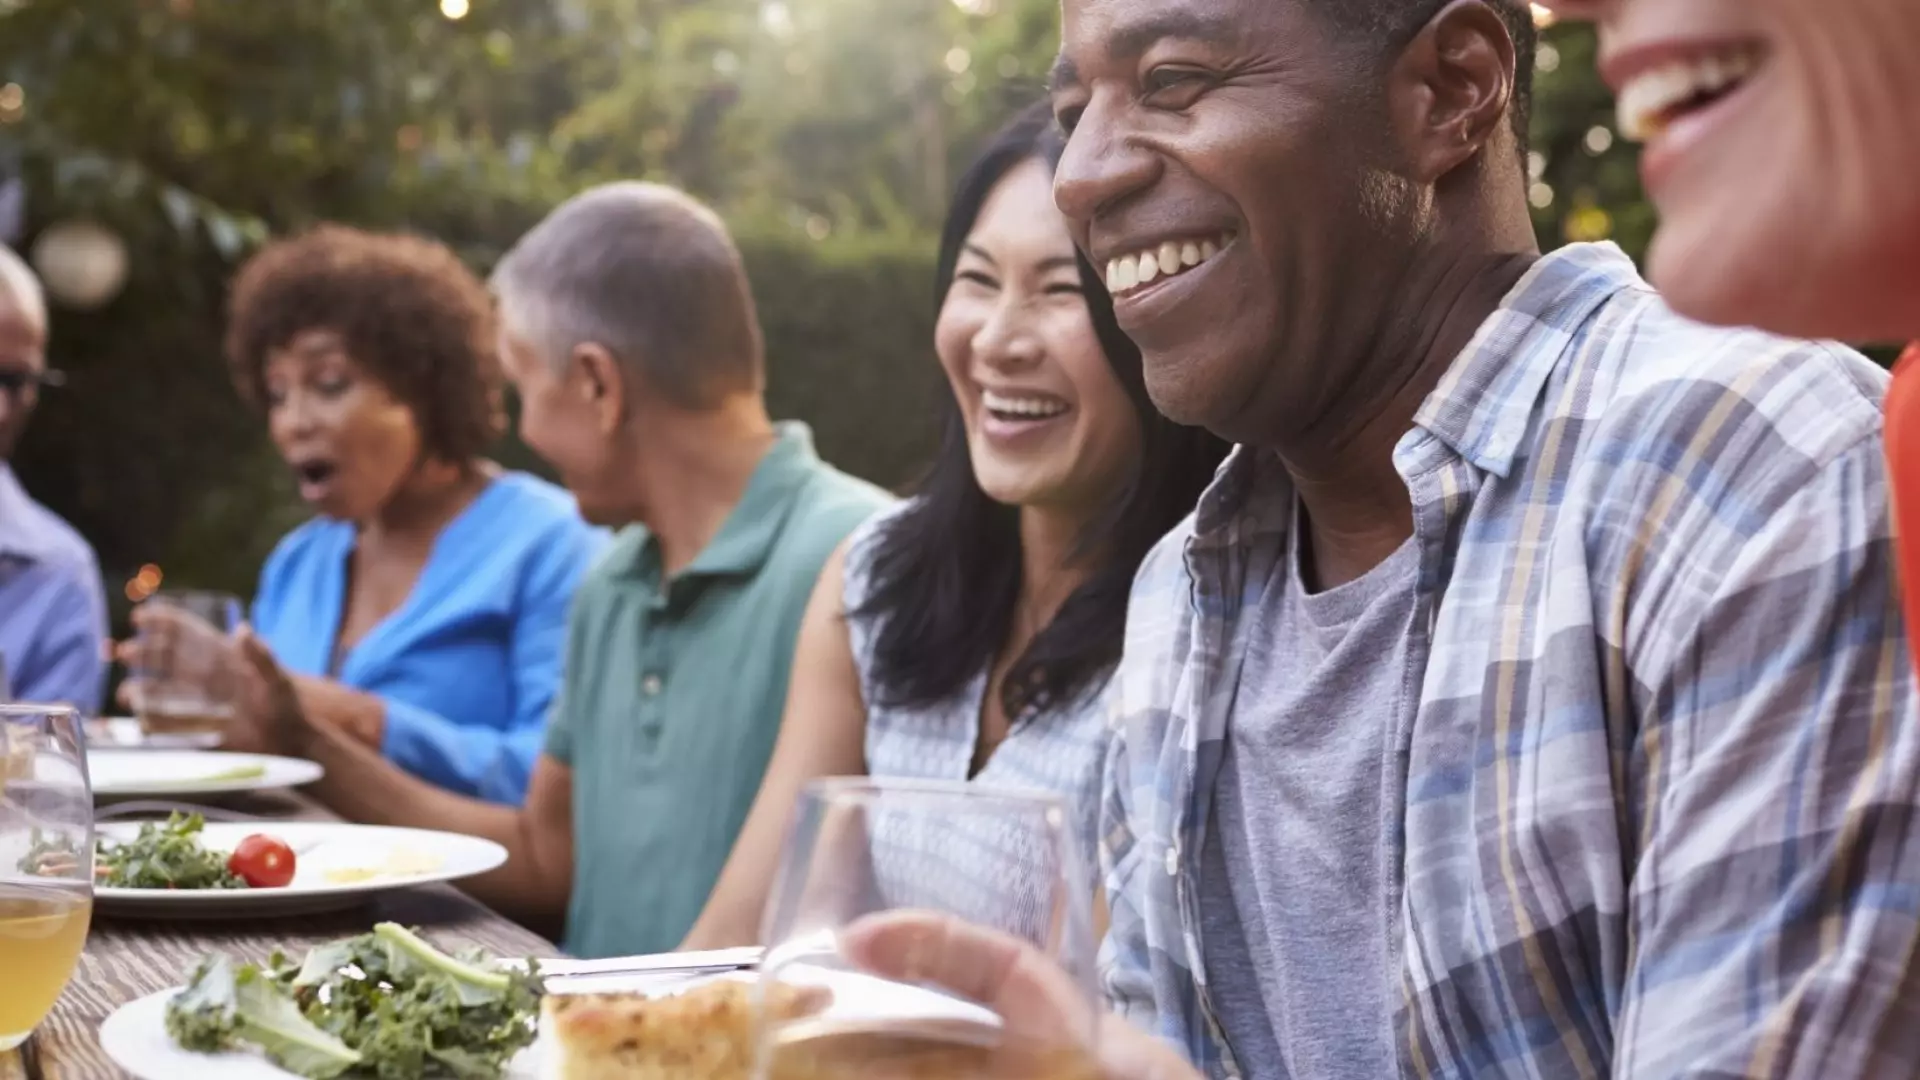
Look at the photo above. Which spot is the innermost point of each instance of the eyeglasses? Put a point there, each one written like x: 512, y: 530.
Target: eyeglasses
x: 16, y: 381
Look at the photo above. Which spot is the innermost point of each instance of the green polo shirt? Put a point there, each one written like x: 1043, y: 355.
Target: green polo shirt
x: 673, y: 694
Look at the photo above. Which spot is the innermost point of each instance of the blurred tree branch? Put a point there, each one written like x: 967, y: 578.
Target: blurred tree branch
x: 828, y: 131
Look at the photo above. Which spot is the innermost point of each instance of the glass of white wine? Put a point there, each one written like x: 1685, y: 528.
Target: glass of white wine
x: 950, y: 860
x: 46, y: 861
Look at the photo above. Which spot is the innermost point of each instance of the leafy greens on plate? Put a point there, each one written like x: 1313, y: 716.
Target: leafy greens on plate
x: 170, y: 855
x: 385, y: 1004
x: 165, y: 855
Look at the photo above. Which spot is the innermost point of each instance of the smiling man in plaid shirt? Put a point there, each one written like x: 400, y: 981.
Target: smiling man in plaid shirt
x: 1527, y: 696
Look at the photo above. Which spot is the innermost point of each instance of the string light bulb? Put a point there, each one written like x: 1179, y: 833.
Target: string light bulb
x: 83, y: 264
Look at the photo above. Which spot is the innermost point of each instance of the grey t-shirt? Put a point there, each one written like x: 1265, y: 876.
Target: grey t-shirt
x: 1296, y: 898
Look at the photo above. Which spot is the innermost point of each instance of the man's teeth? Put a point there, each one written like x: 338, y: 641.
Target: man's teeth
x: 1036, y: 408
x: 1652, y: 98
x: 1167, y: 259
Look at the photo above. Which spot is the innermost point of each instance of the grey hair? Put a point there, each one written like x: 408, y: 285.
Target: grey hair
x: 647, y: 273
x: 18, y: 282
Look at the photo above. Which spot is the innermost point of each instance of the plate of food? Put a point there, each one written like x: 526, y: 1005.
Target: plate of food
x: 385, y: 1003
x: 391, y: 1003
x: 148, y: 774
x: 186, y: 868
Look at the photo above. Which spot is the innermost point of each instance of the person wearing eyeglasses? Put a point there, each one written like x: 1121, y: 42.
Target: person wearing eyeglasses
x: 53, y: 609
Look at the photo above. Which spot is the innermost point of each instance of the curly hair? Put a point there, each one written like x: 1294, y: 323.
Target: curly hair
x: 406, y: 309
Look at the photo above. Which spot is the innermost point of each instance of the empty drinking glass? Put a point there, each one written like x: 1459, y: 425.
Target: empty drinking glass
x: 184, y: 680
x: 864, y: 851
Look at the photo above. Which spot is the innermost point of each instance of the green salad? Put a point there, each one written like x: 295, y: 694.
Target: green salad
x: 164, y: 855
x: 385, y: 1004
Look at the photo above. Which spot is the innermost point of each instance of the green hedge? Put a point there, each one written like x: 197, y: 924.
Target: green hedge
x: 849, y: 329
x: 149, y: 453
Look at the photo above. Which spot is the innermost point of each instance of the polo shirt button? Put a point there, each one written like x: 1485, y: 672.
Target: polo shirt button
x: 650, y: 686
x: 1173, y: 860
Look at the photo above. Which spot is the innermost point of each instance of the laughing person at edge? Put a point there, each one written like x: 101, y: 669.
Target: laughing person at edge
x: 1783, y: 153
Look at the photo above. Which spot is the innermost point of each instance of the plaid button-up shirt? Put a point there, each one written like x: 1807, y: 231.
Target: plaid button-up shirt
x: 1660, y: 748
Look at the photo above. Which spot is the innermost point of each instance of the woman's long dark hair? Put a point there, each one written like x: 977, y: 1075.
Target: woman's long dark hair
x: 945, y: 573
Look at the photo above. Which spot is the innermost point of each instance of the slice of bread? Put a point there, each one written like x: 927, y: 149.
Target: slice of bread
x: 706, y: 1033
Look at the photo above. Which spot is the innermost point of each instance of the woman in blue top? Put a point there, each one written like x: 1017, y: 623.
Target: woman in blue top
x: 424, y: 611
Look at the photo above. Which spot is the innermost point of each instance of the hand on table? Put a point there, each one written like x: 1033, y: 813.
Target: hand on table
x: 1030, y: 992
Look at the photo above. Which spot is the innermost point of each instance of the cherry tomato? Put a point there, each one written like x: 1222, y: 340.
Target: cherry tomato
x: 262, y: 861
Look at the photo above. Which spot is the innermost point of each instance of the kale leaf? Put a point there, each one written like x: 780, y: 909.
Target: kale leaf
x: 223, y: 1009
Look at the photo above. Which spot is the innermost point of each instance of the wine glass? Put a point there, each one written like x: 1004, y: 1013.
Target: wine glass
x: 46, y: 861
x: 185, y: 682
x: 868, y: 853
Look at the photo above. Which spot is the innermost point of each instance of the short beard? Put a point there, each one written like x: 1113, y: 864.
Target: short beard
x: 10, y: 433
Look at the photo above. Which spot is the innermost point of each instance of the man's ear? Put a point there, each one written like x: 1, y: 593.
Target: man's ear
x: 1450, y: 89
x: 603, y: 384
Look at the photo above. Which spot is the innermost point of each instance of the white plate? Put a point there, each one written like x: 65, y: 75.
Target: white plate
x: 404, y: 857
x: 135, y: 1036
x: 125, y: 733
x: 152, y: 774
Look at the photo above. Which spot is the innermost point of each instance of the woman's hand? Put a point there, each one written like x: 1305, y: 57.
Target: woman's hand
x: 272, y: 718
x: 281, y: 712
x: 360, y: 715
x: 1032, y: 994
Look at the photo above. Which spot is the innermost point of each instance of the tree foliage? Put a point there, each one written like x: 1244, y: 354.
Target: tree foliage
x: 828, y: 131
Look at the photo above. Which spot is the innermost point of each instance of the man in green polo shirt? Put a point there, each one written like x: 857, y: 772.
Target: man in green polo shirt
x: 627, y: 326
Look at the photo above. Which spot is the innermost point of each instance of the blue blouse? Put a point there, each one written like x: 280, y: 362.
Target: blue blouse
x: 468, y: 665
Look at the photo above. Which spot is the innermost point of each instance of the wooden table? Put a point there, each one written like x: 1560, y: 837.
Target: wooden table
x: 129, y: 959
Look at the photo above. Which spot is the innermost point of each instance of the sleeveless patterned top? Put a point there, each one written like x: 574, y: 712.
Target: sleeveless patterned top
x: 996, y: 877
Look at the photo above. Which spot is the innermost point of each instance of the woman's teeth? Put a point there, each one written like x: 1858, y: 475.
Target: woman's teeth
x: 1654, y: 98
x: 1165, y: 260
x: 1021, y: 408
